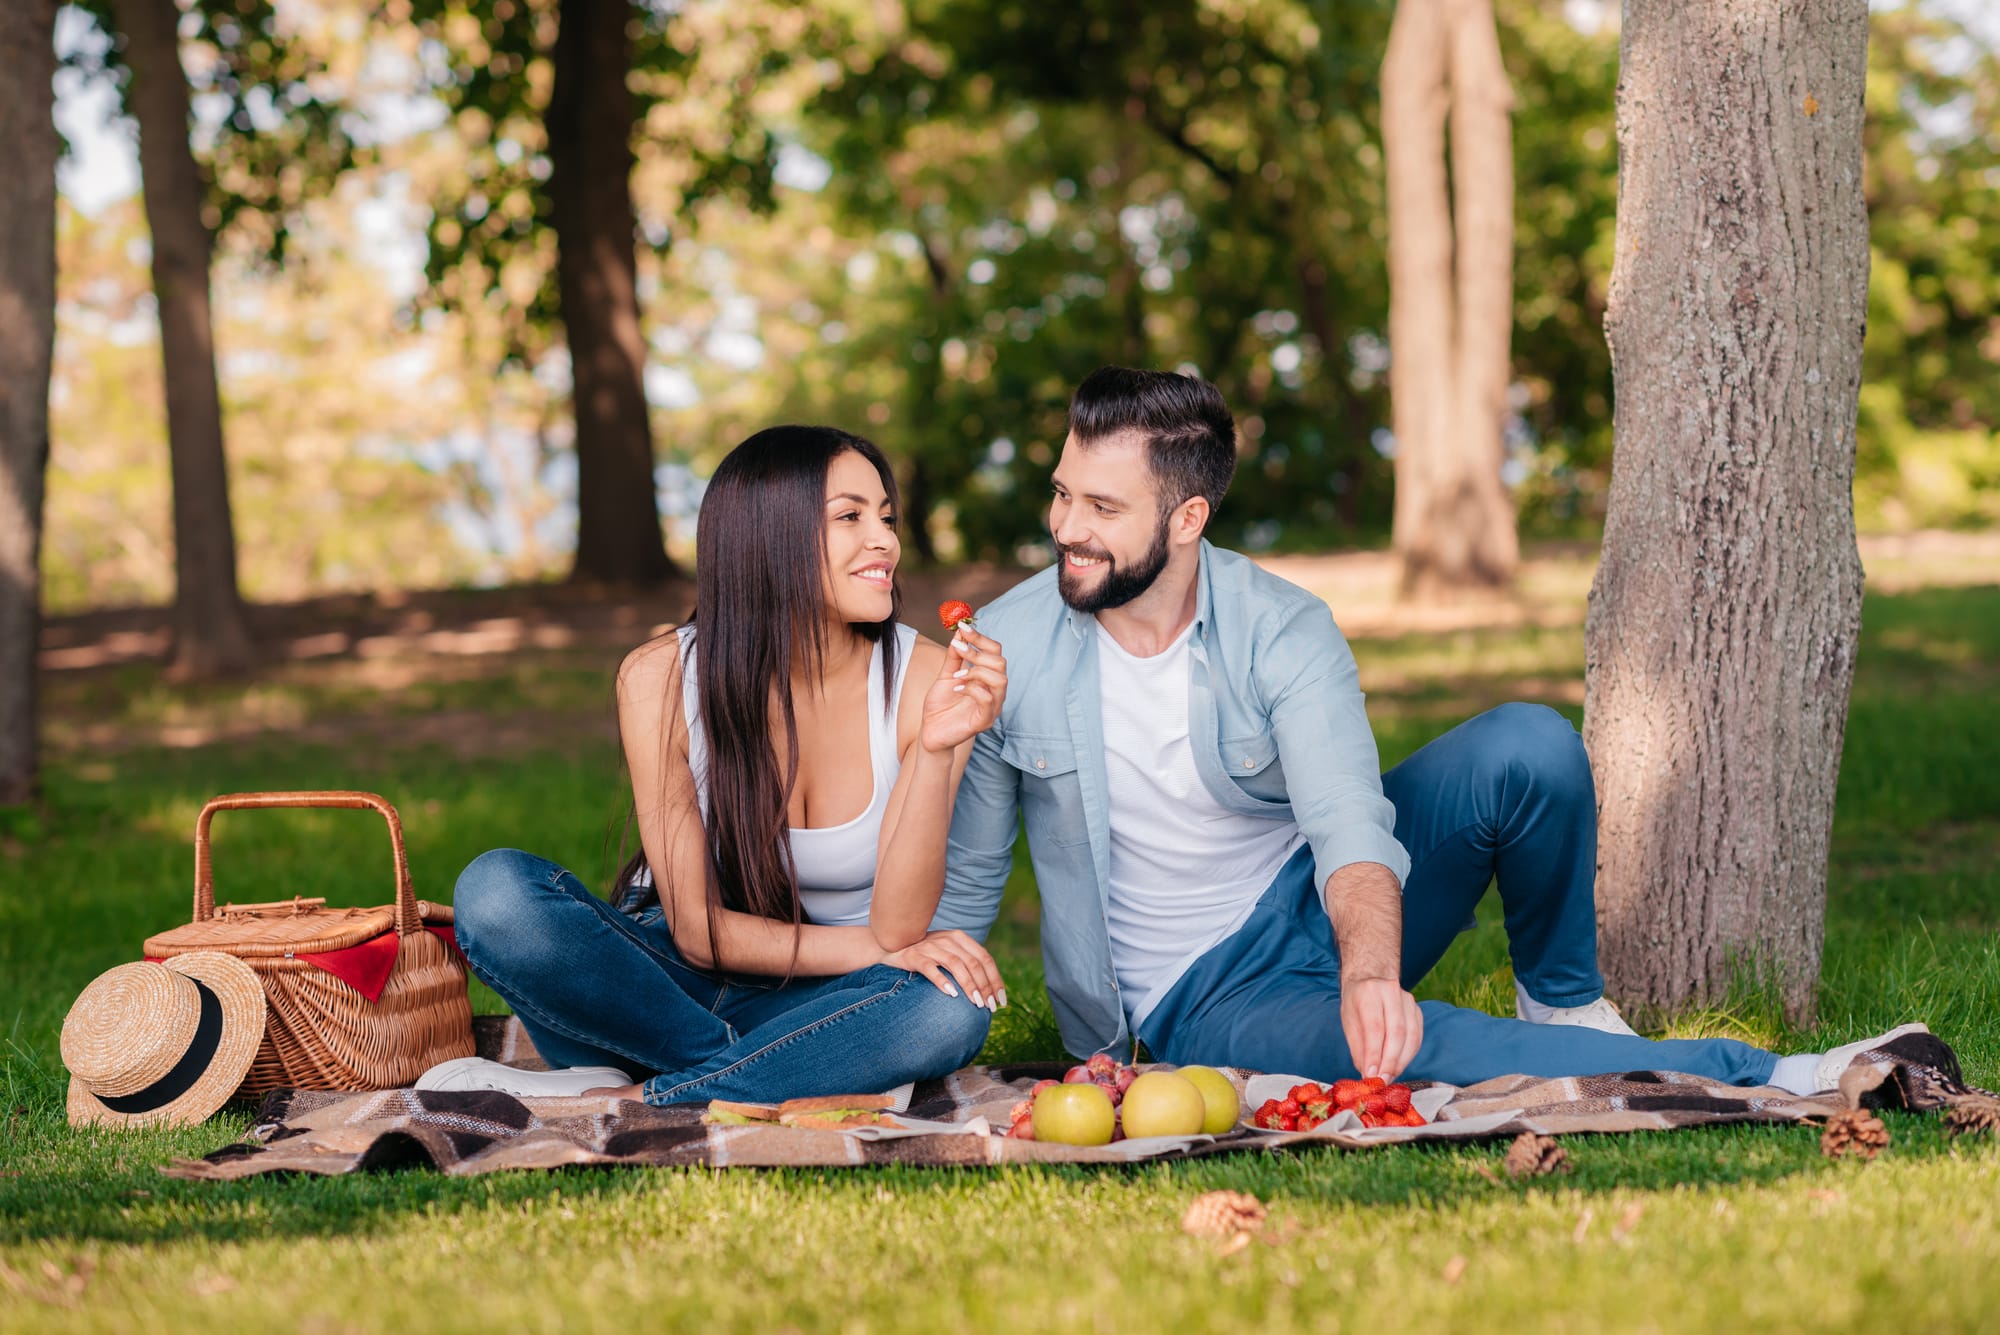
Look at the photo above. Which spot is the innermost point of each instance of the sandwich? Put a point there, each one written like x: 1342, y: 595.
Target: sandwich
x: 830, y: 1112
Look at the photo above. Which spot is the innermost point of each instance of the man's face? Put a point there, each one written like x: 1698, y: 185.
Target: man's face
x: 1111, y: 540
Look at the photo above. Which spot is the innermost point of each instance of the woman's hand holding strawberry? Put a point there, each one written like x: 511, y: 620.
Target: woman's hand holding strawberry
x: 966, y: 697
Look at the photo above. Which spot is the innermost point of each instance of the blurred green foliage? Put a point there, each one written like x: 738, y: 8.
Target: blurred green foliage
x: 926, y: 221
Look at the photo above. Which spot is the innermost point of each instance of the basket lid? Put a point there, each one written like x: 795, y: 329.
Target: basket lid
x: 285, y: 927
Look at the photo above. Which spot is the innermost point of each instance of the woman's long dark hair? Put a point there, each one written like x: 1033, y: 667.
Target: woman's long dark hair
x: 760, y: 603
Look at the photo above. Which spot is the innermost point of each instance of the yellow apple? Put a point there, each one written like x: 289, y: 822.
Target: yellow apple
x: 1217, y: 1093
x: 1161, y: 1103
x: 1078, y: 1114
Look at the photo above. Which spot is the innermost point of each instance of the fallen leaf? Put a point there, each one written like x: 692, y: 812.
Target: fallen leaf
x: 1487, y: 1172
x: 1627, y: 1221
x: 1822, y: 1194
x: 1454, y: 1269
x: 1234, y: 1245
x: 1582, y: 1227
x: 1812, y: 105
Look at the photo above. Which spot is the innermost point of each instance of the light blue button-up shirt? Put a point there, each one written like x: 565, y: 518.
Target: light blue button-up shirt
x: 1276, y: 721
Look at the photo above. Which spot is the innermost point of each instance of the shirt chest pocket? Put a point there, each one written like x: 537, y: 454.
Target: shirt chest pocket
x: 1252, y: 760
x: 1051, y: 792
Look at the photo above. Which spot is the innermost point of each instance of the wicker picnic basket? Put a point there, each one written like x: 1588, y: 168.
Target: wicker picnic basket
x: 321, y: 1031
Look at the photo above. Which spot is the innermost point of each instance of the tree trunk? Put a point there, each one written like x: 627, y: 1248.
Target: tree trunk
x: 27, y: 339
x: 1481, y: 546
x: 590, y: 193
x: 1450, y: 298
x: 1723, y: 621
x: 211, y: 638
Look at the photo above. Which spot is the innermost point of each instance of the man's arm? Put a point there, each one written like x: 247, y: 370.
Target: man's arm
x: 985, y: 817
x: 1334, y: 781
x: 1384, y: 1028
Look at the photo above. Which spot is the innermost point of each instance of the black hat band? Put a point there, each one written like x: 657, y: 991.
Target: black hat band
x: 200, y: 1052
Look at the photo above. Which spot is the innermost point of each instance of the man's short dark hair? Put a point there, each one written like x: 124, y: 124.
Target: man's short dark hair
x: 1190, y: 437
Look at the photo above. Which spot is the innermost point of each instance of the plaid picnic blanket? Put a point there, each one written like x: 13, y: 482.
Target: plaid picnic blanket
x: 959, y: 1120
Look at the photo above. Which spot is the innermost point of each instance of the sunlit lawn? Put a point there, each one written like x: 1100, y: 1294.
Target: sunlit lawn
x: 1680, y: 1231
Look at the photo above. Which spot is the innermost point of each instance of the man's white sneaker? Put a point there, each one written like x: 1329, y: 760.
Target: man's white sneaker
x: 1834, y: 1061
x: 465, y: 1074
x: 1600, y: 1014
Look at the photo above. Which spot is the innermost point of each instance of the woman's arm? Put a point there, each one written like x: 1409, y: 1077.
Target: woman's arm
x: 653, y: 729
x: 935, y: 733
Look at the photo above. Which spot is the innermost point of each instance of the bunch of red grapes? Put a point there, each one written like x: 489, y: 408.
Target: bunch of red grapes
x: 1102, y: 1070
x: 1374, y: 1100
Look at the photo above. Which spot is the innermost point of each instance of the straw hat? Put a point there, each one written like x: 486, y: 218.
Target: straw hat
x: 162, y: 1044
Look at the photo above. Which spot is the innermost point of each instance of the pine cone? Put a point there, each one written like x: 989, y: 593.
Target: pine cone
x: 1223, y: 1214
x: 1535, y: 1156
x: 1970, y: 1116
x: 1856, y: 1131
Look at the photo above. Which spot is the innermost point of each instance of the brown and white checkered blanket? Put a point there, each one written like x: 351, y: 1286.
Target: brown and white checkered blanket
x: 460, y: 1133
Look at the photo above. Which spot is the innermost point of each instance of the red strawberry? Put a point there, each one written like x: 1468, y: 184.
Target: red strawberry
x: 1289, y: 1107
x: 954, y: 610
x: 1372, y: 1105
x: 1347, y: 1093
x: 1397, y: 1097
x: 1024, y: 1108
x: 1307, y: 1092
x: 1288, y: 1123
x: 1376, y: 1084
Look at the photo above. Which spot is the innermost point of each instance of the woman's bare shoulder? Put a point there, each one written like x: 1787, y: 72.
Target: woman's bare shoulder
x: 653, y: 669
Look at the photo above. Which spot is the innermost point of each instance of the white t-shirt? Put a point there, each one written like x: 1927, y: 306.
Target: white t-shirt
x: 835, y: 863
x: 1185, y: 870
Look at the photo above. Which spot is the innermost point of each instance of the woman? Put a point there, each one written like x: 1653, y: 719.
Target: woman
x: 787, y: 950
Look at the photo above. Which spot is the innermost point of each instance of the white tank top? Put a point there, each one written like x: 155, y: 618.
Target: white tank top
x: 836, y: 863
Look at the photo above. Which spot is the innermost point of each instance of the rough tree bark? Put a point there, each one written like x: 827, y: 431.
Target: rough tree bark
x: 27, y: 339
x: 1451, y: 275
x: 1723, y: 621
x: 589, y: 124
x: 211, y: 638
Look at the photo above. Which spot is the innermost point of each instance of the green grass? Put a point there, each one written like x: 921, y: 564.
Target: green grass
x: 1681, y: 1231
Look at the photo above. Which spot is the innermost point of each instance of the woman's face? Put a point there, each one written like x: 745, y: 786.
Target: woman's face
x: 861, y: 543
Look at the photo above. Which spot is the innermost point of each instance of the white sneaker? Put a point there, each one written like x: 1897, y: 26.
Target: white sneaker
x: 465, y: 1074
x: 1834, y: 1061
x: 1599, y: 1014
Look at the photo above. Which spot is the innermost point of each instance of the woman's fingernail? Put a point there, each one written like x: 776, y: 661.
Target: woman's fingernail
x: 992, y: 1004
x: 961, y: 672
x: 959, y: 687
x: 1003, y: 996
x: 950, y: 991
x: 977, y: 1000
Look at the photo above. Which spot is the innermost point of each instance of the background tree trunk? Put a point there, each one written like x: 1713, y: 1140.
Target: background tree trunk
x: 1723, y: 622
x: 590, y: 160
x: 1450, y: 296
x: 27, y: 339
x: 210, y: 636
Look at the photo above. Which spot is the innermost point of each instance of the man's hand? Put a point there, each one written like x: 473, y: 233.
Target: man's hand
x: 1384, y: 1028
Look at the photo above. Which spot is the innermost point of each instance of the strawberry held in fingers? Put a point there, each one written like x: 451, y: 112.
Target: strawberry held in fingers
x: 956, y: 612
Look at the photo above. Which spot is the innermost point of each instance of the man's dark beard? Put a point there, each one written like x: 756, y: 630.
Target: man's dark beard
x: 1119, y: 585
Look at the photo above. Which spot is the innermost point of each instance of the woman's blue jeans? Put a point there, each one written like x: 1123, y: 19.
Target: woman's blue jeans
x: 1506, y: 796
x: 598, y: 987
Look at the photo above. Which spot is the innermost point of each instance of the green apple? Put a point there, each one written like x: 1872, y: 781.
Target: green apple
x: 1162, y: 1103
x: 1078, y: 1114
x: 1217, y: 1093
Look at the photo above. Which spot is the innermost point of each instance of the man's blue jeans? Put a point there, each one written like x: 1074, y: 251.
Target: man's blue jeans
x: 1507, y: 795
x: 597, y: 987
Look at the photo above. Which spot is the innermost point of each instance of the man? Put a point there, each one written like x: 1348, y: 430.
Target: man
x: 1224, y: 873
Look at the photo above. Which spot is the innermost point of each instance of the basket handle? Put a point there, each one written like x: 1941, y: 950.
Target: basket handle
x: 407, y: 919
